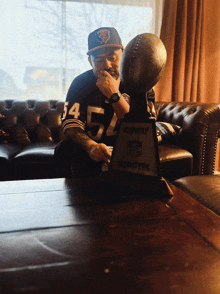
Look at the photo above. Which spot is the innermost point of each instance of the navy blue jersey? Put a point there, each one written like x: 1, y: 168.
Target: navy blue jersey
x: 87, y: 108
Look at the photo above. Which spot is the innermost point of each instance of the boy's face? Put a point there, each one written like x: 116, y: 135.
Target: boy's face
x: 106, y: 59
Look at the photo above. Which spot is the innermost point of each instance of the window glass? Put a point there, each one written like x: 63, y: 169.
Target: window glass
x: 44, y: 43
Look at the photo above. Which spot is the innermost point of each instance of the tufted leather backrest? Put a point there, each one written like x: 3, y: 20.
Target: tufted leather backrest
x: 200, y: 124
x: 32, y: 120
x: 184, y: 114
x: 40, y: 121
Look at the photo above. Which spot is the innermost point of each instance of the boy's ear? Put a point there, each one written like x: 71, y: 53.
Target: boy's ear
x: 89, y: 59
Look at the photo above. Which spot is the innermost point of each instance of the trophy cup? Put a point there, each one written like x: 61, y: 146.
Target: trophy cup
x: 135, y: 159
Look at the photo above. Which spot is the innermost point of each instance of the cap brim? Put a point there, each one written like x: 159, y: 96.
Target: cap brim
x: 102, y: 46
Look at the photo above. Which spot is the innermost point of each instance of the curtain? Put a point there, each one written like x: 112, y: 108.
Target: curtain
x: 43, y: 43
x: 191, y: 33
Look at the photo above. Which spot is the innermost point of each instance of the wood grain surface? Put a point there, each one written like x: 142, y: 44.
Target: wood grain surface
x: 83, y: 236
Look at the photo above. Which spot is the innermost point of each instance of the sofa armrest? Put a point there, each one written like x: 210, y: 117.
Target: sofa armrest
x: 200, y: 124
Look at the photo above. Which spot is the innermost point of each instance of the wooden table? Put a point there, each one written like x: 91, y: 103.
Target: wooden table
x: 68, y: 236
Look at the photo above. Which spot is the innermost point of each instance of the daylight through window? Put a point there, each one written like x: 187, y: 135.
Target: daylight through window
x: 44, y: 43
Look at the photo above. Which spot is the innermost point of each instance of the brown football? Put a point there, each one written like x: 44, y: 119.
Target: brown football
x: 142, y: 63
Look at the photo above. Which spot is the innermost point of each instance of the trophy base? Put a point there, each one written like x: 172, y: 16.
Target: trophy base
x: 153, y: 186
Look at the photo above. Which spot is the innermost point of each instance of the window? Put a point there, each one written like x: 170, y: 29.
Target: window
x: 44, y: 43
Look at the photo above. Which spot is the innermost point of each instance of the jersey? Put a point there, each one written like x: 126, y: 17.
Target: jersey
x: 87, y: 108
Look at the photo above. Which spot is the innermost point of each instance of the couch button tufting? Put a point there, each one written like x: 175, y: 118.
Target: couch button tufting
x: 31, y: 118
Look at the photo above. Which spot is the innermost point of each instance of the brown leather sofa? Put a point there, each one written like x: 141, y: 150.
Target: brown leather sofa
x: 33, y: 129
x: 203, y: 188
x: 200, y: 124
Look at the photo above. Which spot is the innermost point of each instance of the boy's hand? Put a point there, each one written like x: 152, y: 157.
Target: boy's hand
x: 107, y: 84
x: 100, y: 152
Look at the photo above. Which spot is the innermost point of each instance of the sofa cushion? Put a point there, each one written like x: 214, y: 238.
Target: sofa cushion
x: 37, y: 160
x: 41, y: 154
x: 203, y: 188
x: 7, y: 151
x: 175, y: 162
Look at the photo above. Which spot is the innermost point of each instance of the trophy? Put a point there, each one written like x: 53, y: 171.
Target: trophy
x: 135, y: 159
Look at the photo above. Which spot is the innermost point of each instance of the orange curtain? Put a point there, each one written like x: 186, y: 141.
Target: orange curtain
x: 190, y: 32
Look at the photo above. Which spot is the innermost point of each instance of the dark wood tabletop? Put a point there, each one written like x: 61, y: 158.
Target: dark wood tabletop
x: 83, y: 236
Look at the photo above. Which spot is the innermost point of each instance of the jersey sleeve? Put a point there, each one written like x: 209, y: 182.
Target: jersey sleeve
x: 150, y: 103
x: 75, y: 109
x: 73, y: 116
x: 150, y: 98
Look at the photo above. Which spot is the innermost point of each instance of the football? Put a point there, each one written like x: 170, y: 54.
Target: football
x: 142, y: 63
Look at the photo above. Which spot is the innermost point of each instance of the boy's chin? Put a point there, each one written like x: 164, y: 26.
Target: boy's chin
x: 114, y: 75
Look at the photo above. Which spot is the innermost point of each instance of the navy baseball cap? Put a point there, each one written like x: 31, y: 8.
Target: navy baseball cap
x: 103, y: 37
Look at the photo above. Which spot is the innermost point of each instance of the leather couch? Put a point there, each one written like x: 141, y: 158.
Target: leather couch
x: 203, y: 188
x: 33, y: 129
x: 200, y: 124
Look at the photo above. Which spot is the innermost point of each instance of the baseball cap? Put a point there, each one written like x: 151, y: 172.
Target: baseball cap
x: 103, y: 37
